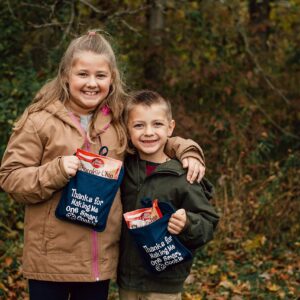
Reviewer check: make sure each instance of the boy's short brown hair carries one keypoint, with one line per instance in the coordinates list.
(146, 98)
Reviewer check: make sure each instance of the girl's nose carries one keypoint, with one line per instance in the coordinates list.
(92, 81)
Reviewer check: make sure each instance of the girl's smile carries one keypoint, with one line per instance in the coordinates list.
(89, 82)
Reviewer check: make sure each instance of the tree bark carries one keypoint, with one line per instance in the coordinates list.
(154, 58)
(259, 12)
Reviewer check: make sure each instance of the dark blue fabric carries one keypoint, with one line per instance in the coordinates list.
(157, 246)
(87, 199)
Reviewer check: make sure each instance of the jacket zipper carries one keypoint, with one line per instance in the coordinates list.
(94, 237)
(95, 255)
(95, 268)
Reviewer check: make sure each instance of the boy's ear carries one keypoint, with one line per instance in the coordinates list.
(171, 127)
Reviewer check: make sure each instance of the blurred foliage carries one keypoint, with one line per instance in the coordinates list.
(232, 72)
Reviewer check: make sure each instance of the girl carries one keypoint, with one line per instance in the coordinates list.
(80, 108)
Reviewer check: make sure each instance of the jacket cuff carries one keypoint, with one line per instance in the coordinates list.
(62, 169)
(186, 233)
(187, 224)
(193, 153)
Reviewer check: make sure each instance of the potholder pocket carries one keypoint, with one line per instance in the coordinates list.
(158, 247)
(87, 199)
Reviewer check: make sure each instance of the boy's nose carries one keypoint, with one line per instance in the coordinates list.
(148, 130)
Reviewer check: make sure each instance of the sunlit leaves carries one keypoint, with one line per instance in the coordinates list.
(254, 243)
(240, 274)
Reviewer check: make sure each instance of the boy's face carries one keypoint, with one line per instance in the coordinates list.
(149, 128)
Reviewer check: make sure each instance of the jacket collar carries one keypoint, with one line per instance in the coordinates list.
(137, 169)
(58, 109)
(102, 121)
(171, 166)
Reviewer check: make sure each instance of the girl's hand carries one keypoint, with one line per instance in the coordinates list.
(195, 169)
(71, 164)
(177, 221)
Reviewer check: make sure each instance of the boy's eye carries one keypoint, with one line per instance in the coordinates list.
(158, 124)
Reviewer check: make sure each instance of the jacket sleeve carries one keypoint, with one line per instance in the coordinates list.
(182, 148)
(202, 218)
(21, 173)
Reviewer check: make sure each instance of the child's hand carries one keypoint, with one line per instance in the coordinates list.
(71, 164)
(195, 169)
(177, 221)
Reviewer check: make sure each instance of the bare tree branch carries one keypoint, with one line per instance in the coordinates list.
(92, 7)
(52, 7)
(242, 32)
(275, 124)
(131, 28)
(10, 9)
(128, 12)
(39, 6)
(54, 24)
(67, 30)
(258, 66)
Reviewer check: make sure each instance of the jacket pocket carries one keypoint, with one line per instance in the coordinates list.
(46, 225)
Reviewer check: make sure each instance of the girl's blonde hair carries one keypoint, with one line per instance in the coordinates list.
(57, 88)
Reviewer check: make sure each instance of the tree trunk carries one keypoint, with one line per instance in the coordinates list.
(259, 18)
(154, 58)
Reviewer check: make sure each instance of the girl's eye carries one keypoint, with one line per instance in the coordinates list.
(82, 74)
(138, 126)
(101, 76)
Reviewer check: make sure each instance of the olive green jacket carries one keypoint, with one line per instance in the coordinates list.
(167, 183)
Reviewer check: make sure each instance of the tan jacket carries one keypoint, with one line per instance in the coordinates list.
(32, 173)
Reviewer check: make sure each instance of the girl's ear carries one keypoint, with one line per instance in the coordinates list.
(112, 84)
(111, 89)
(113, 77)
(171, 127)
(65, 80)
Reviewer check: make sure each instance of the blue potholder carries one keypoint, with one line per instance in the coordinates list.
(87, 199)
(157, 246)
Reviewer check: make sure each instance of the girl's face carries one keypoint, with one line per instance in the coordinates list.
(89, 82)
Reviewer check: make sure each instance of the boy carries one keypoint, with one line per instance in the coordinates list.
(151, 173)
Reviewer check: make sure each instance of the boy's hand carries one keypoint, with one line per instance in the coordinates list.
(195, 169)
(177, 221)
(71, 164)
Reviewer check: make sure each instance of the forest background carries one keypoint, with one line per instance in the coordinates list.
(231, 70)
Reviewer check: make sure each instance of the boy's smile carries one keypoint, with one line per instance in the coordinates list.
(149, 129)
